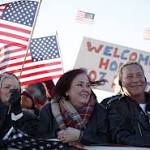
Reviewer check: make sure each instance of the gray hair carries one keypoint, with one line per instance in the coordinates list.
(10, 76)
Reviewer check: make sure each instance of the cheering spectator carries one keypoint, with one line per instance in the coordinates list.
(73, 115)
(129, 116)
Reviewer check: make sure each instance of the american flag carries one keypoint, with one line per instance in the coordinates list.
(85, 17)
(43, 61)
(147, 33)
(16, 24)
(17, 139)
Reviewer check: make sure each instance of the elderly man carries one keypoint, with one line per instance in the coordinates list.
(129, 116)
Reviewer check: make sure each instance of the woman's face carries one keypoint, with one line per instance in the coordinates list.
(6, 86)
(80, 90)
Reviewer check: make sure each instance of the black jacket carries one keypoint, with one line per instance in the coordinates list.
(27, 123)
(128, 123)
(5, 120)
(109, 100)
(94, 134)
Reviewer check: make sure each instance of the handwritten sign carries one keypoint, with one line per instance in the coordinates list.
(103, 59)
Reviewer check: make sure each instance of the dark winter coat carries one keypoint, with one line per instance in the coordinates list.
(27, 123)
(129, 125)
(95, 132)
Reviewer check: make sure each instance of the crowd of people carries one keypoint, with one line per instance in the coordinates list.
(70, 112)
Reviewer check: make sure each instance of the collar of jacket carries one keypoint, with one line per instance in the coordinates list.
(147, 96)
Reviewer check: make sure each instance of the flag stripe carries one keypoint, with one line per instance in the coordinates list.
(14, 36)
(42, 65)
(6, 26)
(39, 76)
(41, 72)
(35, 71)
(20, 45)
(42, 79)
(14, 40)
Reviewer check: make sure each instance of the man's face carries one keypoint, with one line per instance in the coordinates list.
(133, 81)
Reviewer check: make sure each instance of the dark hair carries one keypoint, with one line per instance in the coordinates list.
(64, 83)
(25, 93)
(123, 66)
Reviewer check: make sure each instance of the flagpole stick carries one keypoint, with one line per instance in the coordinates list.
(40, 1)
(57, 39)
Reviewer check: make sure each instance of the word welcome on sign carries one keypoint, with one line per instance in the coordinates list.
(102, 60)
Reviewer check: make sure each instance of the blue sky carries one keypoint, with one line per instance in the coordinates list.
(117, 21)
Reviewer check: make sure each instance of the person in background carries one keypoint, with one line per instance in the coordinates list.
(129, 116)
(73, 115)
(117, 91)
(115, 85)
(10, 108)
(27, 103)
(34, 97)
(9, 102)
(49, 87)
(11, 113)
(31, 114)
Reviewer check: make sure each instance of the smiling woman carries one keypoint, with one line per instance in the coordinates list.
(74, 116)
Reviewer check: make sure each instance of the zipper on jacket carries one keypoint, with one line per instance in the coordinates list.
(9, 108)
(140, 130)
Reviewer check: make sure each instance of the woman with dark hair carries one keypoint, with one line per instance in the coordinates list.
(73, 115)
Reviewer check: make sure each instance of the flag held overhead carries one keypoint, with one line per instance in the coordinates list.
(85, 17)
(16, 25)
(43, 61)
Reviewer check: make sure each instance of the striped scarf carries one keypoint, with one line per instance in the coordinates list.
(67, 115)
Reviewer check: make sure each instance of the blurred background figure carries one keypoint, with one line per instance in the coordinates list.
(11, 112)
(34, 97)
(49, 87)
(10, 108)
(117, 91)
(27, 103)
(115, 85)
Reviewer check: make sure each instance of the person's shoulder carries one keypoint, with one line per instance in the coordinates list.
(27, 113)
(110, 100)
(147, 95)
(99, 108)
(3, 109)
(46, 107)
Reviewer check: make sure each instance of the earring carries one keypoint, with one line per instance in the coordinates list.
(67, 96)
